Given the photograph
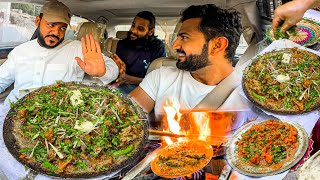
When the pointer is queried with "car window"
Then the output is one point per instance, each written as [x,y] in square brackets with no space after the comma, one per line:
[74,27]
[17,22]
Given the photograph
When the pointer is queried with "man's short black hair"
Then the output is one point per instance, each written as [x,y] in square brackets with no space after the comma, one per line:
[217,22]
[148,16]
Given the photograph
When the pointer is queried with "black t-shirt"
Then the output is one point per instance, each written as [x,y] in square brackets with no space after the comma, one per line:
[137,60]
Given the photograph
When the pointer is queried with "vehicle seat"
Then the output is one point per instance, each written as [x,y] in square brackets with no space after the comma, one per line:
[172,56]
[121,34]
[171,53]
[96,29]
[111,44]
[163,61]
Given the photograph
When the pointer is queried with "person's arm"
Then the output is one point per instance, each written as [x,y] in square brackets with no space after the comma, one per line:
[142,99]
[7,70]
[94,63]
[145,94]
[132,79]
[127,79]
[292,12]
[112,70]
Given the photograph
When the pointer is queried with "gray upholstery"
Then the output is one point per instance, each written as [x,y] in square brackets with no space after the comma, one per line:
[111,43]
[163,61]
[122,34]
[95,29]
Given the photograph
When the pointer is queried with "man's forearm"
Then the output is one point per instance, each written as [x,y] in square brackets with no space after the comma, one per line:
[133,80]
[112,71]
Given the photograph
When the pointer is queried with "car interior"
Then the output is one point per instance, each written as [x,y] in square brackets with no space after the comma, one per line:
[109,21]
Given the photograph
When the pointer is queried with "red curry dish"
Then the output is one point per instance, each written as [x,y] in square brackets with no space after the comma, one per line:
[284,81]
[268,145]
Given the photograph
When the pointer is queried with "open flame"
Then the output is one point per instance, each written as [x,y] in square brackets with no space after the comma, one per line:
[173,116]
[172,120]
[212,127]
[201,125]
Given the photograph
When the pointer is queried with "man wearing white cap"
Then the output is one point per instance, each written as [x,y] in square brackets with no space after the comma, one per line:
[49,58]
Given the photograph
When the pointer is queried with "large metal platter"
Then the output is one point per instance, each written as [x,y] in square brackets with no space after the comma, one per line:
[248,86]
[11,141]
[233,159]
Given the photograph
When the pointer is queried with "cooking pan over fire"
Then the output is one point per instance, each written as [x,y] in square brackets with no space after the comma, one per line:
[182,158]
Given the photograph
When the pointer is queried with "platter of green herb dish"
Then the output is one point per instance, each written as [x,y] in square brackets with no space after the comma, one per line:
[284,81]
[305,33]
[74,130]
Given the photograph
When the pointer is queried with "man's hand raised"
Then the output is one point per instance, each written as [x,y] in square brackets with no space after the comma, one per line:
[92,63]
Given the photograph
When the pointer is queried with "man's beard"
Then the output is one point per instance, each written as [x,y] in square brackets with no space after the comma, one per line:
[42,42]
[194,62]
[140,42]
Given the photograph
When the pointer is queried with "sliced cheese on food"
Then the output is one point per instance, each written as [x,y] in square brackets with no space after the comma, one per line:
[76,98]
[286,58]
[85,126]
[282,78]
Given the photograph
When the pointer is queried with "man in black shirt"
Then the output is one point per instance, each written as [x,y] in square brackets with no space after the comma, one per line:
[135,53]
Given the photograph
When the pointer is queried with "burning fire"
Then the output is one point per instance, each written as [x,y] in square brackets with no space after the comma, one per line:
[212,127]
[201,125]
[173,119]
